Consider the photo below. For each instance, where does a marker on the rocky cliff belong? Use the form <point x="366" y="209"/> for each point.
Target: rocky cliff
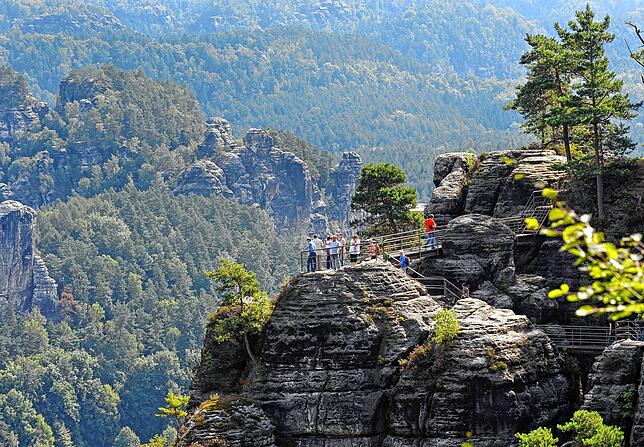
<point x="330" y="375"/>
<point x="257" y="172"/>
<point x="24" y="281"/>
<point x="617" y="388"/>
<point x="18" y="110"/>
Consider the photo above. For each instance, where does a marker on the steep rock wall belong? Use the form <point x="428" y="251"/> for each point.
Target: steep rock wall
<point x="24" y="280"/>
<point x="329" y="372"/>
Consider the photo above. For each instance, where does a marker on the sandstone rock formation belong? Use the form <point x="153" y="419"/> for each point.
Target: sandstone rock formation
<point x="329" y="371"/>
<point x="496" y="184"/>
<point x="24" y="281"/>
<point x="344" y="180"/>
<point x="504" y="180"/>
<point x="617" y="388"/>
<point x="18" y="111"/>
<point x="476" y="248"/>
<point x="260" y="173"/>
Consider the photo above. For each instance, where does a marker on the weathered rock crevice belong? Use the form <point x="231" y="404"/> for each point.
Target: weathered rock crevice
<point x="330" y="373"/>
<point x="25" y="284"/>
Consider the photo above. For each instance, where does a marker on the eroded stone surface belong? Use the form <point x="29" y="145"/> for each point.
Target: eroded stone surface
<point x="615" y="384"/>
<point x="24" y="280"/>
<point x="329" y="372"/>
<point x="476" y="249"/>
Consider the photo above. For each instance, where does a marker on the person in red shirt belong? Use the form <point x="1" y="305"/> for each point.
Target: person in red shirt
<point x="430" y="227"/>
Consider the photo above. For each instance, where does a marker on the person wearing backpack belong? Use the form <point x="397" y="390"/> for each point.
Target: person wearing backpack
<point x="404" y="261"/>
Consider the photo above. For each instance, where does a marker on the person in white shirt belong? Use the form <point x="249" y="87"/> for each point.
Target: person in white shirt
<point x="334" y="248"/>
<point x="354" y="249"/>
<point x="319" y="245"/>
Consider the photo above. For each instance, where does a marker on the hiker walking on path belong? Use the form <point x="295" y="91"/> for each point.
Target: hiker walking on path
<point x="404" y="261"/>
<point x="311" y="260"/>
<point x="342" y="243"/>
<point x="354" y="249"/>
<point x="430" y="227"/>
<point x="334" y="247"/>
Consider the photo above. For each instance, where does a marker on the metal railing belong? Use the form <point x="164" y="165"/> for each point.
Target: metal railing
<point x="409" y="241"/>
<point x="324" y="260"/>
<point x="538" y="207"/>
<point x="592" y="338"/>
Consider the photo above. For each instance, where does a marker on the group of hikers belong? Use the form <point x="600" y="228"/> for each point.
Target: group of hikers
<point x="330" y="253"/>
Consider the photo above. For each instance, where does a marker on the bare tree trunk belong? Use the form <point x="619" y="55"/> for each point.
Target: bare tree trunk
<point x="598" y="176"/>
<point x="566" y="140"/>
<point x="252" y="356"/>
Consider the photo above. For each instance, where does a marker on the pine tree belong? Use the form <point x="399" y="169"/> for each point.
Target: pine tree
<point x="597" y="99"/>
<point x="543" y="98"/>
<point x="385" y="199"/>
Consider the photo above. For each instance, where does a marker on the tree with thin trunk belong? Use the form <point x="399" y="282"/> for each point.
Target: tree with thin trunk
<point x="597" y="99"/>
<point x="543" y="99"/>
<point x="638" y="54"/>
<point x="245" y="308"/>
<point x="384" y="200"/>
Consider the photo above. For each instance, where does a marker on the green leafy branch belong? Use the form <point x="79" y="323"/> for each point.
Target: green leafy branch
<point x="615" y="271"/>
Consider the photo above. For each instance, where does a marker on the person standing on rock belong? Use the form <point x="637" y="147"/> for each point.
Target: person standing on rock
<point x="430" y="227"/>
<point x="374" y="249"/>
<point x="327" y="247"/>
<point x="319" y="245"/>
<point x="334" y="248"/>
<point x="403" y="261"/>
<point x="311" y="260"/>
<point x="354" y="249"/>
<point x="342" y="242"/>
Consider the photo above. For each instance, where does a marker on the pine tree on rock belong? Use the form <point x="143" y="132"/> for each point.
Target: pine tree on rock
<point x="384" y="199"/>
<point x="543" y="99"/>
<point x="597" y="98"/>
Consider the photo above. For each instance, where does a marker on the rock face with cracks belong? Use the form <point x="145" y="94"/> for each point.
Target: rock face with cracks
<point x="24" y="281"/>
<point x="329" y="372"/>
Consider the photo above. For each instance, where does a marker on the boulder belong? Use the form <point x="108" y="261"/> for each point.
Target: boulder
<point x="476" y="249"/>
<point x="329" y="372"/>
<point x="204" y="178"/>
<point x="445" y="164"/>
<point x="494" y="297"/>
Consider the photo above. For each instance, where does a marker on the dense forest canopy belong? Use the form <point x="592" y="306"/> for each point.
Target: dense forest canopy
<point x="399" y="83"/>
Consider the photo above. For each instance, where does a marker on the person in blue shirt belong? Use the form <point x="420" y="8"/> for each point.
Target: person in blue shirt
<point x="311" y="261"/>
<point x="404" y="261"/>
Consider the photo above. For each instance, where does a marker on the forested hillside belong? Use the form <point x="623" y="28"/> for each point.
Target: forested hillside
<point x="399" y="82"/>
<point x="128" y="254"/>
<point x="128" y="86"/>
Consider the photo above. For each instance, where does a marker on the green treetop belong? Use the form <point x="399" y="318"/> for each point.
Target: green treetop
<point x="384" y="199"/>
<point x="597" y="97"/>
<point x="245" y="308"/>
<point x="542" y="99"/>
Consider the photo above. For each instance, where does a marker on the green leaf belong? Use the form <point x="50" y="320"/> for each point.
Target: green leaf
<point x="556" y="214"/>
<point x="549" y="193"/>
<point x="531" y="223"/>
